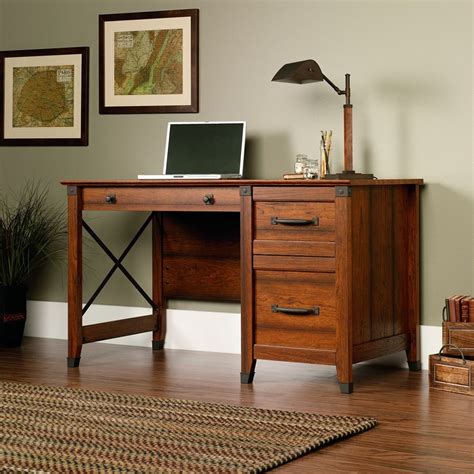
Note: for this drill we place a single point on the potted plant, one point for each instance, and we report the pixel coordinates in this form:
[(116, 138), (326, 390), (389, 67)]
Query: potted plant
[(32, 233)]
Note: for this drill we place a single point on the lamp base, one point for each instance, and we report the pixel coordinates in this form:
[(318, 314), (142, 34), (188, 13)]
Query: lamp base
[(349, 175)]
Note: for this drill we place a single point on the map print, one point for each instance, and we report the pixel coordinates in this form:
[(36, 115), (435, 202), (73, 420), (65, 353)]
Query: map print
[(148, 62), (43, 96)]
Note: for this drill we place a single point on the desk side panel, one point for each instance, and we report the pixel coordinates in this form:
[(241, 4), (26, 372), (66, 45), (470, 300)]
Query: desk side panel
[(381, 217)]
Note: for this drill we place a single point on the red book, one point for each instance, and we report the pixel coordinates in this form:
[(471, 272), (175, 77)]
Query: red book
[(471, 310), (457, 303), (465, 309), (452, 308)]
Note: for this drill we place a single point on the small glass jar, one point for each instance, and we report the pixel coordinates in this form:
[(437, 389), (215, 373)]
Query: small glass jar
[(311, 170), (300, 163)]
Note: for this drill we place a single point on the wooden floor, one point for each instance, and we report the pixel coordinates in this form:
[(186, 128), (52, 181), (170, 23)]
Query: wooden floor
[(420, 430)]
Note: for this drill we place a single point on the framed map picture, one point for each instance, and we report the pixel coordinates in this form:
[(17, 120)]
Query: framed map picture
[(148, 62), (44, 97)]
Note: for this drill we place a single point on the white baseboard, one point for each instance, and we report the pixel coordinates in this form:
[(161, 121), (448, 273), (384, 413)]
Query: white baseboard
[(430, 343), (431, 340), (208, 331), (188, 330)]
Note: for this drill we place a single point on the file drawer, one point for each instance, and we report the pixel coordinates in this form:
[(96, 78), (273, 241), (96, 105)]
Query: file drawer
[(296, 221), (295, 309)]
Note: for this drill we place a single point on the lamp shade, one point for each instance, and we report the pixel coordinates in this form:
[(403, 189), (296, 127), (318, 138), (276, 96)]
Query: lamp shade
[(300, 72)]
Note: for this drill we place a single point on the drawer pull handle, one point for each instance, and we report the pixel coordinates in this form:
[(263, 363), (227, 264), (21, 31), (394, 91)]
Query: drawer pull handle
[(111, 199), (295, 311), (447, 346), (208, 199), (283, 221)]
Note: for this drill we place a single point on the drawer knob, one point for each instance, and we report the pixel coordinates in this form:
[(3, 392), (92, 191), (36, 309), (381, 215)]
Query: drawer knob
[(111, 199), (283, 221), (295, 311), (208, 199)]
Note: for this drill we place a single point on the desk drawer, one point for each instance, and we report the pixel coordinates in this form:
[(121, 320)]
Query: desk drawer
[(166, 198), (296, 221), (295, 309)]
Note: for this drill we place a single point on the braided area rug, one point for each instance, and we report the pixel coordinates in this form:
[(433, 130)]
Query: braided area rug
[(64, 430)]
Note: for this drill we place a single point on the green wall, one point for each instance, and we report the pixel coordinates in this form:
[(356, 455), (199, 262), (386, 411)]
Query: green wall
[(411, 69)]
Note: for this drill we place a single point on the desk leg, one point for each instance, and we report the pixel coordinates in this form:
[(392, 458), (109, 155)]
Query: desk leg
[(246, 269), (157, 275), (74, 276), (344, 293), (413, 352)]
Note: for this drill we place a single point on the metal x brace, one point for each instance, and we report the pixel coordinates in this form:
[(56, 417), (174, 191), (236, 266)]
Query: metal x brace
[(118, 264)]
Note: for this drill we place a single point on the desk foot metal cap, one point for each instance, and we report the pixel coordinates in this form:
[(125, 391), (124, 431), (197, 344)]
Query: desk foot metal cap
[(246, 378), (414, 366), (157, 345), (346, 387), (73, 361)]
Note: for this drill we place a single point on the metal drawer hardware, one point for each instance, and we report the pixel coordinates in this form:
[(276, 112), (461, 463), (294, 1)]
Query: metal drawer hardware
[(208, 199), (111, 199), (280, 220), (295, 311), (454, 346), (117, 263)]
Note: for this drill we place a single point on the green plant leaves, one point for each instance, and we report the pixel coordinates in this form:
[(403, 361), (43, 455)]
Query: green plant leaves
[(32, 233)]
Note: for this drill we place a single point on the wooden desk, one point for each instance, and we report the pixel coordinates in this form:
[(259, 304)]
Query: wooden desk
[(327, 272)]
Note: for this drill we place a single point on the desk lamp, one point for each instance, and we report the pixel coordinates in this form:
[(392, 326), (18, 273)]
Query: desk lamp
[(303, 72)]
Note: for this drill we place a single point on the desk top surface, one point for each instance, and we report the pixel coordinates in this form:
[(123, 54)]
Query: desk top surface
[(238, 182)]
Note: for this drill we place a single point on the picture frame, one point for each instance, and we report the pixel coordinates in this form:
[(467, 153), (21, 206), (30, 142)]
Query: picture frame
[(148, 62), (44, 98)]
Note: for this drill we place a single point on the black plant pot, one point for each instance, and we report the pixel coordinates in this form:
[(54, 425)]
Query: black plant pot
[(12, 315)]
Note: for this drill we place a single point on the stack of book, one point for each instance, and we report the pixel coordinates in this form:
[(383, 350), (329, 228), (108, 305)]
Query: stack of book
[(293, 176), (459, 309)]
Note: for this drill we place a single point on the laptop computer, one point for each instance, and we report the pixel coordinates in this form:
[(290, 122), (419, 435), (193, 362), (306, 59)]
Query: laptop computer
[(203, 150)]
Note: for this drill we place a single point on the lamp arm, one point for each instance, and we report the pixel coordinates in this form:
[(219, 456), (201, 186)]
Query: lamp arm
[(346, 92), (339, 91)]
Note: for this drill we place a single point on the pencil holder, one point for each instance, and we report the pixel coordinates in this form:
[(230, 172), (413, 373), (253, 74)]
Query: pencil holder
[(325, 149)]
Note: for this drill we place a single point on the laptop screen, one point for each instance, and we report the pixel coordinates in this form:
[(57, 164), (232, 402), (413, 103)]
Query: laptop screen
[(205, 148)]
